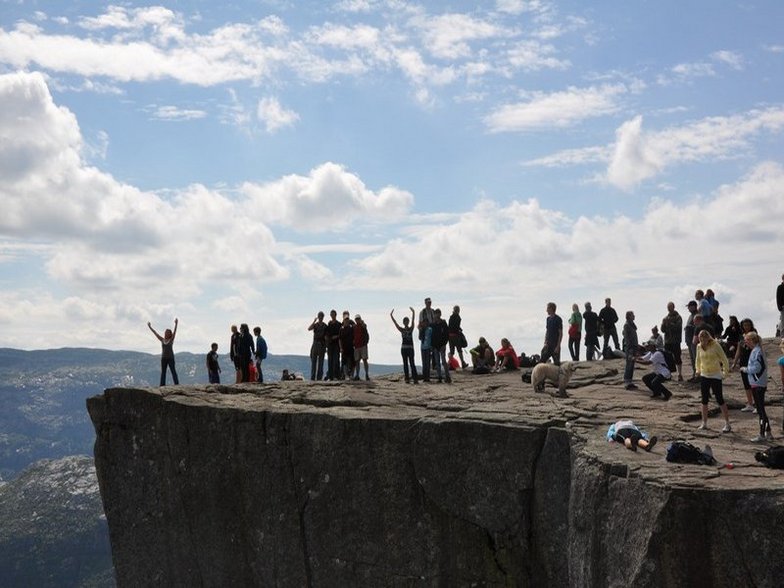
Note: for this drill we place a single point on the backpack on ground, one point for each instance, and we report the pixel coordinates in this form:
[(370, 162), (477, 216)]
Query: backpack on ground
[(680, 451), (480, 369), (528, 361), (669, 359), (773, 457)]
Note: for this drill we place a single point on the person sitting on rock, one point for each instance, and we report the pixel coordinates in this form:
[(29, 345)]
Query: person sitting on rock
[(506, 357), (482, 354), (626, 432), (660, 374)]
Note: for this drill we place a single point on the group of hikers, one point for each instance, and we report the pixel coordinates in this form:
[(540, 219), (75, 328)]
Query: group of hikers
[(713, 349)]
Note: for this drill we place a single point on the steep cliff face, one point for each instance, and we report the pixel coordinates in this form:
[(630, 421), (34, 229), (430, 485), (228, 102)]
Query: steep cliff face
[(295, 484)]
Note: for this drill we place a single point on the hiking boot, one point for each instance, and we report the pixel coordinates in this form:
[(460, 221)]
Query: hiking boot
[(703, 426), (758, 439), (631, 386), (747, 408), (667, 395), (651, 442), (727, 428)]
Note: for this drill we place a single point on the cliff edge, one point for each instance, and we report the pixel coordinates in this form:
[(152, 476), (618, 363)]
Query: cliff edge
[(479, 483)]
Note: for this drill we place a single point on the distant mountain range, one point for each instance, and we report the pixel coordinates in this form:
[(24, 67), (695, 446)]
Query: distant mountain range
[(52, 530)]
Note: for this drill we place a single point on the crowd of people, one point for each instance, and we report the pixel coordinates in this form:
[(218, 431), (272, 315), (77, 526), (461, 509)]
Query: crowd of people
[(713, 349)]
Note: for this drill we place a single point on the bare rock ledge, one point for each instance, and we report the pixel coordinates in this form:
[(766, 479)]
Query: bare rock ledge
[(478, 483)]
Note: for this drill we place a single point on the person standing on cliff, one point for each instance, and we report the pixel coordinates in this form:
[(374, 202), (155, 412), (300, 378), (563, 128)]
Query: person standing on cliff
[(319, 346), (407, 346), (780, 305), (361, 340), (672, 329), (591, 323), (246, 350), (333, 346), (234, 353), (631, 345), (346, 346), (608, 317), (439, 340), (260, 353), (553, 335), (427, 316), (213, 367), (167, 351)]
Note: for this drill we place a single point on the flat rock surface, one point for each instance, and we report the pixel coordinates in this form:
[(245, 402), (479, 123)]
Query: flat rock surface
[(597, 399)]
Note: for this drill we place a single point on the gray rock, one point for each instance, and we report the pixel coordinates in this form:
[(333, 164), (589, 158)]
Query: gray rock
[(482, 482)]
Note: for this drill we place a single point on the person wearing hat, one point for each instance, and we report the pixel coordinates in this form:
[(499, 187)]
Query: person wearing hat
[(660, 374), (688, 334)]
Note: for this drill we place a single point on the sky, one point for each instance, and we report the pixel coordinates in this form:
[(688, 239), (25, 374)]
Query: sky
[(260, 161)]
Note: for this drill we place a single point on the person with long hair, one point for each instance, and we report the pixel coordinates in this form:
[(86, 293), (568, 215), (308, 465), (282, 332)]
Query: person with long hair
[(757, 372), (711, 365), (167, 352), (575, 332), (742, 354), (407, 345)]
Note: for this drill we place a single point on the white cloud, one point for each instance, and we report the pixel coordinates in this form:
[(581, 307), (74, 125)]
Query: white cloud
[(557, 109), (448, 36), (638, 155), (730, 58), (175, 113), (274, 116), (529, 243), (328, 199)]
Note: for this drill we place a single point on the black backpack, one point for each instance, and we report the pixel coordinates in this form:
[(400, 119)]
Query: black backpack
[(669, 359), (684, 452), (773, 457)]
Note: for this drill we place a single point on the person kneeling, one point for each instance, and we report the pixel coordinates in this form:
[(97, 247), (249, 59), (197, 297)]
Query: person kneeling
[(660, 374)]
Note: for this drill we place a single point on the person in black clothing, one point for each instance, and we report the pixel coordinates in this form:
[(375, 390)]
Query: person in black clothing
[(234, 353), (456, 338), (780, 305), (440, 338), (407, 346), (167, 352), (591, 326), (346, 340), (608, 317), (319, 347), (333, 346), (245, 350), (213, 367)]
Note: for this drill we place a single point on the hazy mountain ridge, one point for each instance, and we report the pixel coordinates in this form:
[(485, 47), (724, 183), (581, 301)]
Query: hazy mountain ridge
[(53, 530), (43, 393)]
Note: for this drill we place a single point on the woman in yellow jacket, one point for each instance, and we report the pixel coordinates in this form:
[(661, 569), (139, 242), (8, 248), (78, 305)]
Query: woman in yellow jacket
[(711, 365)]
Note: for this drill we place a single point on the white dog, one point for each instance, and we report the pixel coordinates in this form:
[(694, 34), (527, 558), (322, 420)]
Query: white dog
[(558, 375)]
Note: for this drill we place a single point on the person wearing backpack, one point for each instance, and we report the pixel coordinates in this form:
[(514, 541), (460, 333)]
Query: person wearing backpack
[(757, 371), (661, 371)]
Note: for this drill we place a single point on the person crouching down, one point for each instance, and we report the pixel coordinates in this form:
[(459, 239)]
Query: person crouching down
[(660, 374), (626, 432)]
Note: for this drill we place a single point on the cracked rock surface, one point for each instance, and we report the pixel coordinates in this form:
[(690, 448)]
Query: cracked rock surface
[(483, 482)]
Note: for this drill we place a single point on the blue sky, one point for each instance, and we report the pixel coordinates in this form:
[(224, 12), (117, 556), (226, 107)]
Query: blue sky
[(260, 161)]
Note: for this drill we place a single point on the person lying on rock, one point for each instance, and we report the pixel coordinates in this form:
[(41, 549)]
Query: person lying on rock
[(626, 432)]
